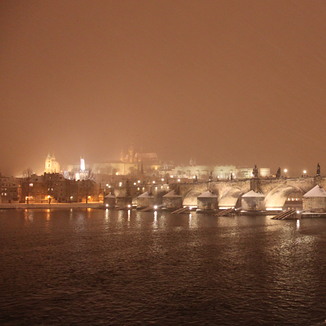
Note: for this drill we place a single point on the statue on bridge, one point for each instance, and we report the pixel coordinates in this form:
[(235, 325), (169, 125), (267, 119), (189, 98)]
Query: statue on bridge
[(318, 169), (278, 173), (255, 171)]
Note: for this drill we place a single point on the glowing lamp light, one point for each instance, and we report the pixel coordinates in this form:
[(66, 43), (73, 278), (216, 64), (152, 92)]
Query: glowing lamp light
[(129, 206), (155, 207), (106, 205), (285, 170), (153, 181), (162, 179), (179, 180)]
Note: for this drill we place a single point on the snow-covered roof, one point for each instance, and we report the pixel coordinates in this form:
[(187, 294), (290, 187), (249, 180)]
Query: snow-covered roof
[(316, 191), (145, 194), (110, 196), (252, 193), (207, 194), (172, 194)]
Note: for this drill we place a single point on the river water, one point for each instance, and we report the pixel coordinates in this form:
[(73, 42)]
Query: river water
[(101, 267)]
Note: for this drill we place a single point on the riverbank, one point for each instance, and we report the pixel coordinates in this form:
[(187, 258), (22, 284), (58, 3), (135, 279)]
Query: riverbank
[(52, 205)]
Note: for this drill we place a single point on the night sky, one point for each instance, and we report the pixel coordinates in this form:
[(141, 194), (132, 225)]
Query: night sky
[(223, 82)]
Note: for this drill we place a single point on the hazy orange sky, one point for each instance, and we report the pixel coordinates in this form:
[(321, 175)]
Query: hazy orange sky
[(225, 82)]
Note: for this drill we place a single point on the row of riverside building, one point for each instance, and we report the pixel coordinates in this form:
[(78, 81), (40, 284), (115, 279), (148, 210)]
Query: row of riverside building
[(46, 188)]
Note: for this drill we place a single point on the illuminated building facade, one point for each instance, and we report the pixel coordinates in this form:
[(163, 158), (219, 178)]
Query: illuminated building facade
[(10, 189)]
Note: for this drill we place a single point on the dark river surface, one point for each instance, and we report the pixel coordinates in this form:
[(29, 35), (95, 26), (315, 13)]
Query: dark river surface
[(100, 267)]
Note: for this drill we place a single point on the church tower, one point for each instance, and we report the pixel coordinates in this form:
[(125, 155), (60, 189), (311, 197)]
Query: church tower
[(51, 165)]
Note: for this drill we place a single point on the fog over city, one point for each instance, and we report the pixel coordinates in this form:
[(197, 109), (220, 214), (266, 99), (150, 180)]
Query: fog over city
[(220, 82)]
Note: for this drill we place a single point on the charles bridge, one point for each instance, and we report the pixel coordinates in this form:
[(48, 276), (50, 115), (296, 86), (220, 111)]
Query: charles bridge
[(229, 192)]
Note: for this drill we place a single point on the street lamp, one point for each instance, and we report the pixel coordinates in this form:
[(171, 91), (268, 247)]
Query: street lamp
[(304, 172), (285, 172)]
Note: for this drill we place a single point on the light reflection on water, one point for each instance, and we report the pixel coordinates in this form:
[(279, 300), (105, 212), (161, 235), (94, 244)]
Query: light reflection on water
[(130, 267), (298, 224)]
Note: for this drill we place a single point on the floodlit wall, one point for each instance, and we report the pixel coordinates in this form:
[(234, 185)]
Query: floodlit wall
[(253, 203), (314, 204), (207, 203)]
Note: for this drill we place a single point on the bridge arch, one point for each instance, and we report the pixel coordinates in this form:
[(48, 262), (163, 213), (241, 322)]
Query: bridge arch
[(276, 198), (190, 198), (229, 198)]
